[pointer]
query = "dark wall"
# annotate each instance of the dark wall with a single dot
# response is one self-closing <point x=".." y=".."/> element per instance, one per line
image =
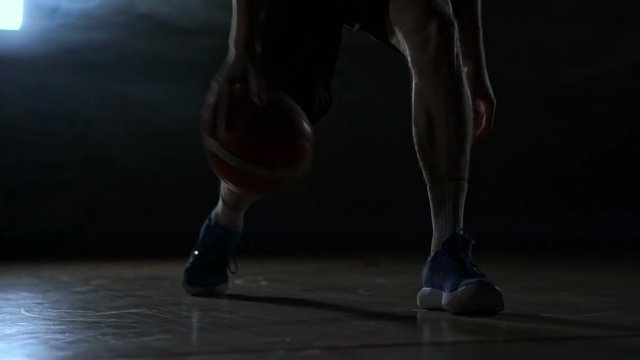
<point x="100" y="152"/>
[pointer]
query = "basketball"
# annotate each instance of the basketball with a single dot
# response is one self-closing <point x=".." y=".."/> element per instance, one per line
<point x="259" y="149"/>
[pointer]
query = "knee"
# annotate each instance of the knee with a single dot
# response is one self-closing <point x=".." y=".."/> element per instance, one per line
<point x="435" y="42"/>
<point x="436" y="35"/>
<point x="419" y="20"/>
<point x="426" y="31"/>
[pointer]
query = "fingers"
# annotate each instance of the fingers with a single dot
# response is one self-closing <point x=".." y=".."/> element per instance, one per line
<point x="479" y="120"/>
<point x="262" y="90"/>
<point x="221" y="106"/>
<point x="489" y="114"/>
<point x="483" y="118"/>
<point x="210" y="107"/>
<point x="209" y="101"/>
<point x="258" y="87"/>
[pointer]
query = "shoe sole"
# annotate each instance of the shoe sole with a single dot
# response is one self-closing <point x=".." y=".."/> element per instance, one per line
<point x="473" y="298"/>
<point x="205" y="291"/>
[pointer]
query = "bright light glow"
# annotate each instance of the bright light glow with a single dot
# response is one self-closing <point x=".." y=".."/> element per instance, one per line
<point x="11" y="12"/>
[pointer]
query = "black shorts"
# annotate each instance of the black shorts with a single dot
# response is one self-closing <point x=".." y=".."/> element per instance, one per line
<point x="301" y="40"/>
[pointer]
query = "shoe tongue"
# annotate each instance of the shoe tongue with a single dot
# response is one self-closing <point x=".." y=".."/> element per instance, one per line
<point x="220" y="237"/>
<point x="457" y="243"/>
<point x="223" y="230"/>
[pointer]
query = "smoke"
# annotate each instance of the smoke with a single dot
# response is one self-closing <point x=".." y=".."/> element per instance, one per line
<point x="181" y="13"/>
<point x="186" y="13"/>
<point x="62" y="24"/>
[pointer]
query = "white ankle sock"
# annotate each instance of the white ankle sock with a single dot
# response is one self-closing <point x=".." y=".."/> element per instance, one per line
<point x="231" y="218"/>
<point x="447" y="210"/>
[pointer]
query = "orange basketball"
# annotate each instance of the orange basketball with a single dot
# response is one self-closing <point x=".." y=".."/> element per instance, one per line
<point x="259" y="149"/>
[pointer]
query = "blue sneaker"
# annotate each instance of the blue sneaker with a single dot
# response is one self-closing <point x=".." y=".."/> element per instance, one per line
<point x="206" y="271"/>
<point x="451" y="281"/>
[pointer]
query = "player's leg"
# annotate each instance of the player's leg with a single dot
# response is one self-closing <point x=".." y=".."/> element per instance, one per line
<point x="232" y="205"/>
<point x="425" y="31"/>
<point x="206" y="270"/>
<point x="299" y="42"/>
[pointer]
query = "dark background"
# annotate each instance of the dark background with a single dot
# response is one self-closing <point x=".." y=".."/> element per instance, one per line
<point x="100" y="153"/>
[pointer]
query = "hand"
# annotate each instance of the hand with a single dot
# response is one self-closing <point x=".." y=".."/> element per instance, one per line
<point x="483" y="100"/>
<point x="236" y="71"/>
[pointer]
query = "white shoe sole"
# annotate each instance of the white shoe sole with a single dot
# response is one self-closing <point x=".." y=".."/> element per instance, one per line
<point x="206" y="291"/>
<point x="478" y="297"/>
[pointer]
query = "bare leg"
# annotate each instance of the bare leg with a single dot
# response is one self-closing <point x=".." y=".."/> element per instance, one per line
<point x="426" y="32"/>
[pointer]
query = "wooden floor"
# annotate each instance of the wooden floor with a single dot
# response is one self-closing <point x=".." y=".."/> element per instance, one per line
<point x="314" y="309"/>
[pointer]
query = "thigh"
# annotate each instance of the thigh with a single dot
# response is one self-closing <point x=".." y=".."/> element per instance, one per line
<point x="300" y="45"/>
<point x="411" y="21"/>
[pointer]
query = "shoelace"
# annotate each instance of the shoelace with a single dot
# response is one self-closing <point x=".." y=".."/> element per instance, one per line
<point x="475" y="268"/>
<point x="232" y="270"/>
<point x="467" y="263"/>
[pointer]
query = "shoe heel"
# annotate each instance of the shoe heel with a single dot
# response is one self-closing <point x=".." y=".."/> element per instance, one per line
<point x="430" y="299"/>
<point x="206" y="291"/>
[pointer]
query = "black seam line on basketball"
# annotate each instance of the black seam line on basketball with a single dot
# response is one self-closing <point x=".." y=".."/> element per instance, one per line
<point x="215" y="147"/>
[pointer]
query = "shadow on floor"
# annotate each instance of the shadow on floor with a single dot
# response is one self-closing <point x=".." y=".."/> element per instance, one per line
<point x="422" y="317"/>
<point x="321" y="305"/>
<point x="547" y="320"/>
